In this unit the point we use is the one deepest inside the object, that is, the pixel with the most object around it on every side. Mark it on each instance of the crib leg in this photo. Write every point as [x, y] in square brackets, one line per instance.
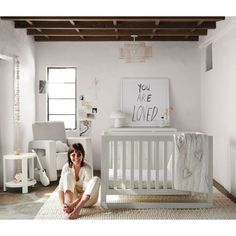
[103, 203]
[210, 171]
[105, 171]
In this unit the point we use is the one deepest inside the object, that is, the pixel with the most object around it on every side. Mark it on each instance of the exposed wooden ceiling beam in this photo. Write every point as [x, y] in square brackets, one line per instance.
[77, 38]
[77, 30]
[72, 22]
[120, 25]
[115, 24]
[157, 22]
[200, 22]
[109, 18]
[95, 33]
[29, 22]
[115, 28]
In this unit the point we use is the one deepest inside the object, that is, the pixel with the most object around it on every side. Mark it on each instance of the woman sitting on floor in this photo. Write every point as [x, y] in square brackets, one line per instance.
[77, 187]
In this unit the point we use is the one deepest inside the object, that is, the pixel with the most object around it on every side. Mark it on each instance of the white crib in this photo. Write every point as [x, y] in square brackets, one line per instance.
[135, 163]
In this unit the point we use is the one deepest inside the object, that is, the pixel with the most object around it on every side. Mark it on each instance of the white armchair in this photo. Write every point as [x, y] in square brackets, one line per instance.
[46, 135]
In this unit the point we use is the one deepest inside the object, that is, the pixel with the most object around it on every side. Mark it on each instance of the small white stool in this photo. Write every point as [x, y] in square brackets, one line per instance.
[24, 157]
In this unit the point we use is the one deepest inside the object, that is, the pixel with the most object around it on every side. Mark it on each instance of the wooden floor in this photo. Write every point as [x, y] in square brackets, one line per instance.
[224, 191]
[15, 205]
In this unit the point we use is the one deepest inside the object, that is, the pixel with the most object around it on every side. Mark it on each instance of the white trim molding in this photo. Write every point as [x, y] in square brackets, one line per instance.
[222, 29]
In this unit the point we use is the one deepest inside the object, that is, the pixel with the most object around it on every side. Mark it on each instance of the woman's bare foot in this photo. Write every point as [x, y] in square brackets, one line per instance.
[67, 208]
[74, 214]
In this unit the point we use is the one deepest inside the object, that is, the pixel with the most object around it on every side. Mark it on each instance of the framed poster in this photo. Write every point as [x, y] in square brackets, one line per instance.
[144, 100]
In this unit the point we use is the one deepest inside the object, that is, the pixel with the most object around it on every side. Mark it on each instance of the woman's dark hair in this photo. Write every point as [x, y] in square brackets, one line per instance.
[79, 149]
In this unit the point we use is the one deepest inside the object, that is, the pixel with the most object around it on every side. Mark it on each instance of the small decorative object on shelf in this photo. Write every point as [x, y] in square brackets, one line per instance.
[17, 151]
[165, 118]
[18, 177]
[119, 118]
[163, 122]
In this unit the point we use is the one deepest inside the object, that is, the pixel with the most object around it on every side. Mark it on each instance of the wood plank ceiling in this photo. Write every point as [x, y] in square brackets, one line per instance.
[116, 28]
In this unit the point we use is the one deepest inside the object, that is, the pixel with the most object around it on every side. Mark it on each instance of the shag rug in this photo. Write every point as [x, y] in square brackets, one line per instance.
[223, 208]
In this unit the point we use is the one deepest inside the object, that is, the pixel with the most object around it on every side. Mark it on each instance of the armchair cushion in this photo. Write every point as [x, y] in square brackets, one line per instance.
[52, 130]
[61, 147]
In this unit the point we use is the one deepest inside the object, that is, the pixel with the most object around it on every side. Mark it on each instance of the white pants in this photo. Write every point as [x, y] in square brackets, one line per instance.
[92, 188]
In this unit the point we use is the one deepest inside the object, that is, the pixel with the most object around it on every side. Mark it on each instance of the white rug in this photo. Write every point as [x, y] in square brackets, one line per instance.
[223, 208]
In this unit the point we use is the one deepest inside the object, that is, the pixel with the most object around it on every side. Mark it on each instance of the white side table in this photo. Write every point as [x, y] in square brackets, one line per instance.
[26, 158]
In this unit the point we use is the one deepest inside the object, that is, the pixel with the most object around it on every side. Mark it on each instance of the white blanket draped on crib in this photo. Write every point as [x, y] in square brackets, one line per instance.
[191, 162]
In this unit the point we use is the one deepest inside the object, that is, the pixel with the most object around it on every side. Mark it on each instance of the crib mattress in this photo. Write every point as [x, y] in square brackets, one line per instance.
[119, 181]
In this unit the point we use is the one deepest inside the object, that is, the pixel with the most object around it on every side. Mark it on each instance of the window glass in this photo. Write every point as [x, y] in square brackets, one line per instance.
[62, 75]
[69, 120]
[59, 90]
[61, 99]
[61, 106]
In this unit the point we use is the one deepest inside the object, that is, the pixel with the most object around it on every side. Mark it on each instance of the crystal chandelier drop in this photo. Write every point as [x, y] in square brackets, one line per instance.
[135, 51]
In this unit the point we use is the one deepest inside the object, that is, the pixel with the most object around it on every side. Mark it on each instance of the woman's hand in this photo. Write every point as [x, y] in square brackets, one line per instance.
[68, 208]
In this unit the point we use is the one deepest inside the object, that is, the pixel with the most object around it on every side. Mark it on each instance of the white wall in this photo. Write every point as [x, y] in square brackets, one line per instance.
[15, 42]
[218, 101]
[177, 61]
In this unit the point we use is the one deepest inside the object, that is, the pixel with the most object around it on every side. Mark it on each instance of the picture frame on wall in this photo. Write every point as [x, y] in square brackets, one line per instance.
[94, 110]
[90, 116]
[42, 86]
[145, 101]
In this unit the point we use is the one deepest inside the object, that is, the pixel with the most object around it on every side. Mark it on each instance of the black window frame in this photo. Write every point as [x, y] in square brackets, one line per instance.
[63, 67]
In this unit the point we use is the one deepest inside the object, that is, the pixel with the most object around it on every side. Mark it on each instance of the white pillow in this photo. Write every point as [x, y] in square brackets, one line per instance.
[61, 147]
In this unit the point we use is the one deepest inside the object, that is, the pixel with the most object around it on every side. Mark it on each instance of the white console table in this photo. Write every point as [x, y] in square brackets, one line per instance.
[27, 164]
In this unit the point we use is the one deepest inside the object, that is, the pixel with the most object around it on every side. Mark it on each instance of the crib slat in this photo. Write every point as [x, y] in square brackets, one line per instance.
[115, 156]
[110, 155]
[140, 185]
[156, 155]
[123, 185]
[165, 165]
[173, 164]
[132, 165]
[149, 165]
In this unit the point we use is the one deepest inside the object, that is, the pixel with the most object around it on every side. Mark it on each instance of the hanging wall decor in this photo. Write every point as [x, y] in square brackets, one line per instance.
[17, 105]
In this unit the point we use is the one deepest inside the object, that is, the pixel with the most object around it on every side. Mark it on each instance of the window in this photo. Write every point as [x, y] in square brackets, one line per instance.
[209, 64]
[61, 101]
